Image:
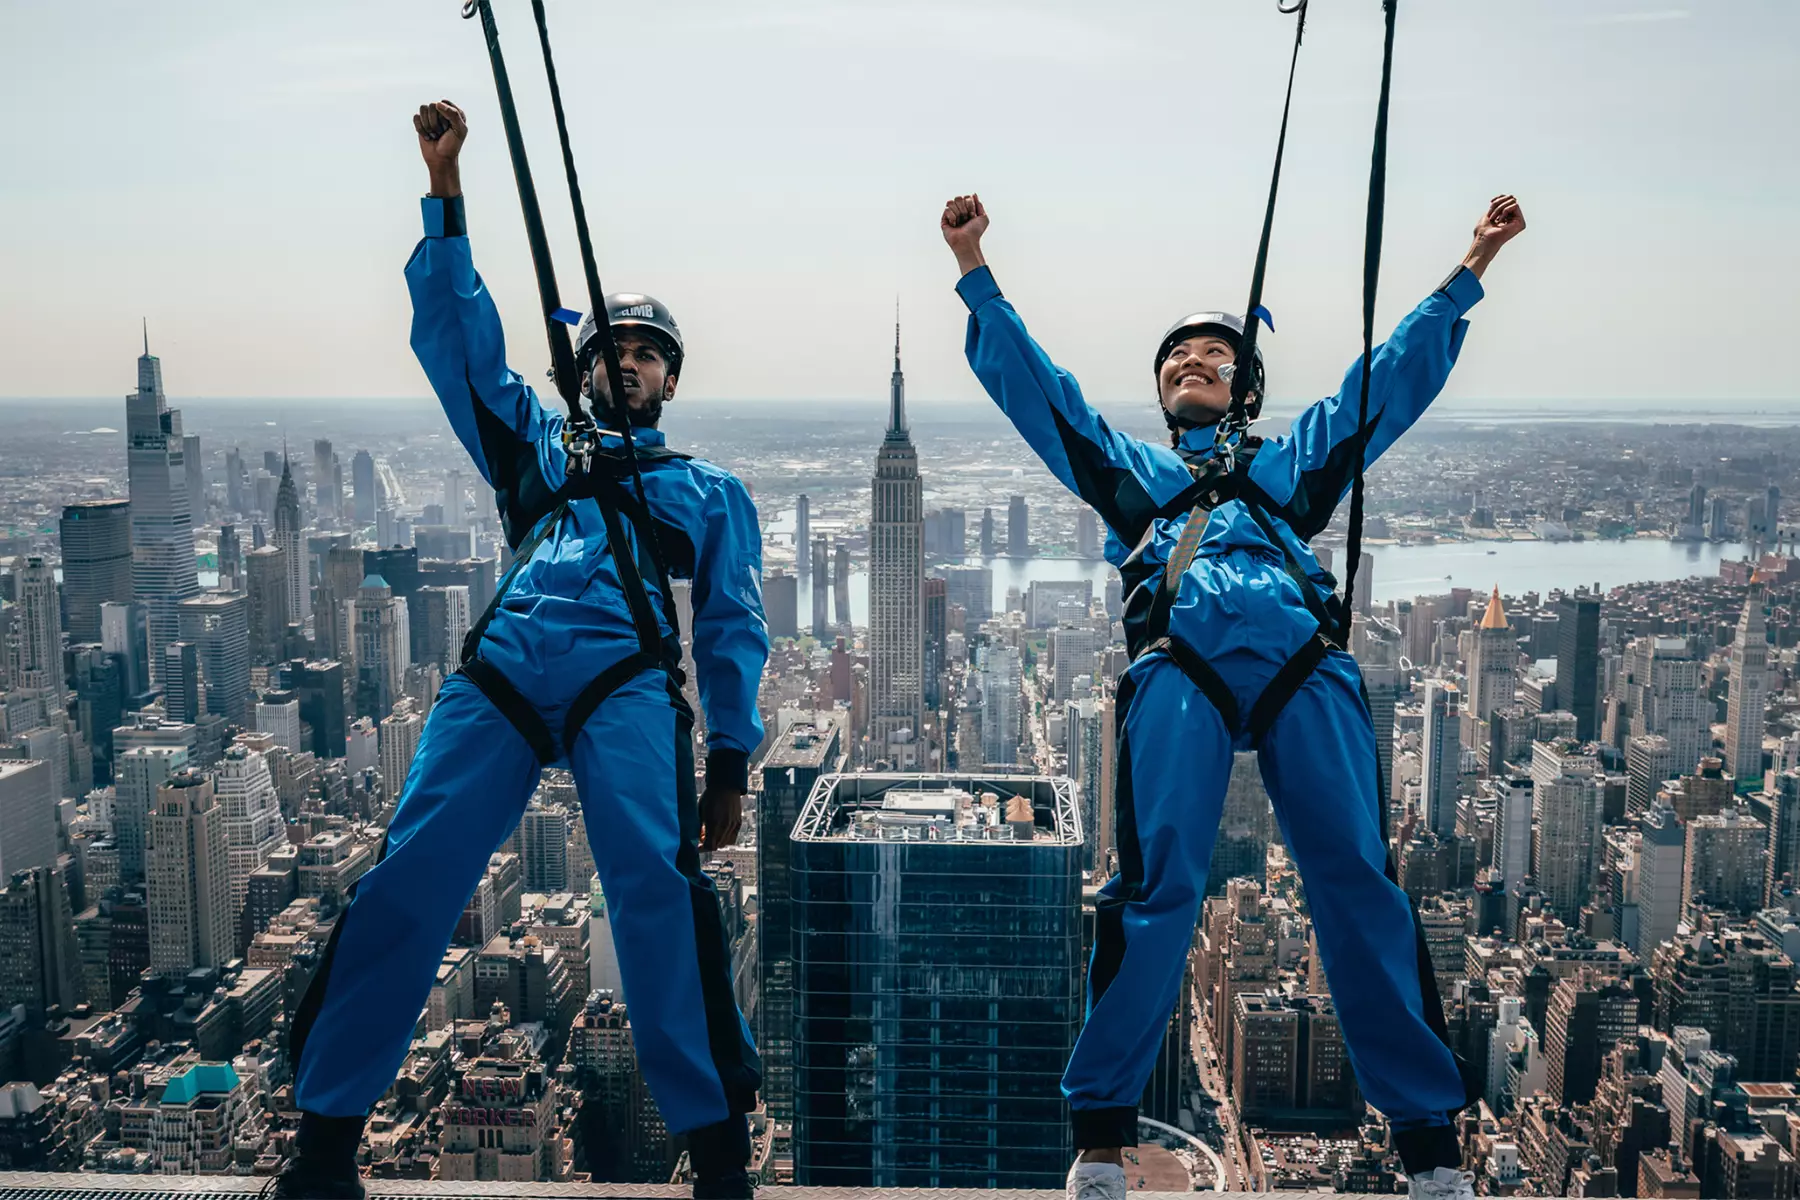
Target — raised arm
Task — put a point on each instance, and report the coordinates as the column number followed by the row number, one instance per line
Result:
column 456, row 330
column 731, row 645
column 1309, row 470
column 1106, row 468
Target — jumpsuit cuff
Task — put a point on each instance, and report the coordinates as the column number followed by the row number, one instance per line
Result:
column 1463, row 288
column 1104, row 1128
column 727, row 766
column 443, row 216
column 1427, row 1148
column 977, row 287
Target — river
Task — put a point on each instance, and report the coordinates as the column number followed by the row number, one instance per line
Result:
column 1402, row 572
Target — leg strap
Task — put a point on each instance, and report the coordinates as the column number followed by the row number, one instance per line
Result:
column 1281, row 689
column 604, row 684
column 1212, row 685
column 513, row 706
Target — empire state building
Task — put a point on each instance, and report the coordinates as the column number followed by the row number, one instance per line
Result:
column 896, row 591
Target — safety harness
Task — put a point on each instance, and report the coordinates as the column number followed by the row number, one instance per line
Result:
column 636, row 559
column 1218, row 482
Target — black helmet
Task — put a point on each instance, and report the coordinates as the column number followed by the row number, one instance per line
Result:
column 1218, row 324
column 634, row 310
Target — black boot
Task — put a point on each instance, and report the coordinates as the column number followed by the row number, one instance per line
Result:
column 720, row 1157
column 323, row 1165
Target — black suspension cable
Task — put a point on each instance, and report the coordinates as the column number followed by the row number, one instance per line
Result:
column 562, row 355
column 1371, row 280
column 609, row 348
column 1243, row 377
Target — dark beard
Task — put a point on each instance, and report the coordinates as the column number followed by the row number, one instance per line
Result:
column 606, row 415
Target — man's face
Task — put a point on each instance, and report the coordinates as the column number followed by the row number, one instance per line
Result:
column 648, row 384
column 1189, row 382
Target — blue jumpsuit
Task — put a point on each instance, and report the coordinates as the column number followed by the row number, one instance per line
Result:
column 563, row 620
column 1243, row 612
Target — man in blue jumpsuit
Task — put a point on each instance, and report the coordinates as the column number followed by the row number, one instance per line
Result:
column 578, row 663
column 1245, row 613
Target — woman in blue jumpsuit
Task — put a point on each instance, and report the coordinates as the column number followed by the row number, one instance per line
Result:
column 565, row 618
column 1239, row 608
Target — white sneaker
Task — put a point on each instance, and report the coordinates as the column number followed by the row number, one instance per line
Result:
column 1096, row 1181
column 1441, row 1183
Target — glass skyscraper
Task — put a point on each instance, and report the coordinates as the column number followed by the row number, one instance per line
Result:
column 937, row 992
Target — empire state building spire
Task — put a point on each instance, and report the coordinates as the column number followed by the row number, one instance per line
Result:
column 897, row 386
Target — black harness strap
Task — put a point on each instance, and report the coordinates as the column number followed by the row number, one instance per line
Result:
column 603, row 685
column 1212, row 685
column 1288, row 680
column 1371, row 281
column 513, row 705
column 521, row 555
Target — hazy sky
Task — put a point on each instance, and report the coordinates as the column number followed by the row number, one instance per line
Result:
column 245, row 175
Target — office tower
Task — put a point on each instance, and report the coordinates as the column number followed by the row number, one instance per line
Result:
column 1001, row 681
column 781, row 604
column 1018, row 527
column 383, row 650
column 196, row 477
column 1783, row 859
column 266, row 591
column 1087, row 534
column 840, row 583
column 362, row 487
column 1662, row 686
column 278, row 715
column 1588, row 1014
column 453, row 499
column 140, row 772
column 1365, row 584
column 217, row 624
column 1648, row 762
column 544, row 849
column 972, row 590
column 320, row 686
column 231, row 560
column 96, row 562
column 1073, row 654
column 40, row 965
column 809, row 748
column 235, row 476
column 400, row 733
column 803, row 536
column 1662, row 878
column 983, row 917
column 1440, row 765
column 125, row 633
column 27, row 815
column 1719, row 522
column 36, row 646
column 184, row 684
column 163, row 569
column 251, row 812
column 821, row 588
column 1246, row 825
column 1516, row 796
column 399, row 567
column 324, row 497
column 340, row 579
column 290, row 538
column 1578, row 660
column 896, row 587
column 988, row 540
column 1725, row 856
column 187, row 878
column 946, row 533
column 1493, row 666
column 1747, row 702
column 1567, row 838
column 99, row 704
column 936, row 633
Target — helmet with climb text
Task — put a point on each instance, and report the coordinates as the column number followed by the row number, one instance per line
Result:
column 1216, row 324
column 636, row 312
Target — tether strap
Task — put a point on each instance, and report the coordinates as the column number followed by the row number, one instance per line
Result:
column 1245, row 375
column 1371, row 279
